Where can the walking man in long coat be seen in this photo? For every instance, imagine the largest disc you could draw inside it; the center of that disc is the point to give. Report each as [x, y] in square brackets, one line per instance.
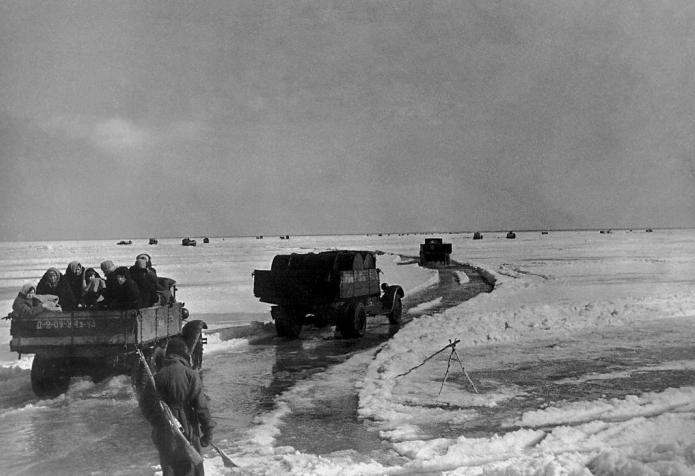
[180, 387]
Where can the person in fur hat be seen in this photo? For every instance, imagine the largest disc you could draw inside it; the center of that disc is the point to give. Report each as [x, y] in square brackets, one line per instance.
[180, 387]
[145, 277]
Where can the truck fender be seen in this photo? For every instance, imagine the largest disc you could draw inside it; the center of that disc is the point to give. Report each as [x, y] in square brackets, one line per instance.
[389, 297]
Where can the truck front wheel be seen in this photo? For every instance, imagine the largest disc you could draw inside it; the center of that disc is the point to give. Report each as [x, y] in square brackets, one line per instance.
[49, 376]
[353, 322]
[287, 323]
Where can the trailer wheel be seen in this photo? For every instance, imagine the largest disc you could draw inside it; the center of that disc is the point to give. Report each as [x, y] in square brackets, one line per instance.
[353, 322]
[396, 314]
[321, 320]
[287, 323]
[49, 376]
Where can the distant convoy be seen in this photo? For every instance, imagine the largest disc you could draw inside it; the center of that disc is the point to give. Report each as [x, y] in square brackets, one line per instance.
[476, 236]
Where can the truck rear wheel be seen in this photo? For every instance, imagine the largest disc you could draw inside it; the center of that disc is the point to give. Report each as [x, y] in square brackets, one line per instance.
[353, 322]
[49, 376]
[287, 323]
[396, 314]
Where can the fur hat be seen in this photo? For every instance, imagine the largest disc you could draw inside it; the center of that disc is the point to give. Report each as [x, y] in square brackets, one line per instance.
[148, 260]
[192, 328]
[177, 347]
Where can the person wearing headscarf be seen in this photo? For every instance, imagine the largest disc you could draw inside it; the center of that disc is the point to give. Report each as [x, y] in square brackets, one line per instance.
[180, 387]
[54, 283]
[74, 275]
[26, 304]
[145, 277]
[122, 292]
[94, 288]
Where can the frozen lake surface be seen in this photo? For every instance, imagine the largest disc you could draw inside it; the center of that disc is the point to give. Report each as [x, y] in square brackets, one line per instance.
[582, 355]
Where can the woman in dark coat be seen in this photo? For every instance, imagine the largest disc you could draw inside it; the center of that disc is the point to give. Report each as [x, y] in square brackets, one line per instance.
[122, 292]
[55, 283]
[145, 277]
[74, 275]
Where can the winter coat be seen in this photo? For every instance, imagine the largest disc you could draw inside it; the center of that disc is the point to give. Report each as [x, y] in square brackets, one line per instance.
[24, 305]
[66, 299]
[181, 388]
[121, 296]
[94, 287]
[146, 280]
[75, 280]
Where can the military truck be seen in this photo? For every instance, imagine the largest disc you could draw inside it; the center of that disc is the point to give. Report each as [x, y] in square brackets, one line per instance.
[337, 287]
[434, 251]
[96, 343]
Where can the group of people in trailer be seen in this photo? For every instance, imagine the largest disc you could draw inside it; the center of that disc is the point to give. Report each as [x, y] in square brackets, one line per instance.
[175, 382]
[120, 288]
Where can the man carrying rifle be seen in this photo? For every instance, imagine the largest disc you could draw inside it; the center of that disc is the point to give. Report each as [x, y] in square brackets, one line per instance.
[180, 387]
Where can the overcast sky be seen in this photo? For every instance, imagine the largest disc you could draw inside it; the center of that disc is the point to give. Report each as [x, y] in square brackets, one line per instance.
[168, 119]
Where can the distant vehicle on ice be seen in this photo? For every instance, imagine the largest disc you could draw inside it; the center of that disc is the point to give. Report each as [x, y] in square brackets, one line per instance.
[477, 235]
[434, 251]
[338, 288]
[153, 241]
[511, 235]
[188, 242]
[124, 242]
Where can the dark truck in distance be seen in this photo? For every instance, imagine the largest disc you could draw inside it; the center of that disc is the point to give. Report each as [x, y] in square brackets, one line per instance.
[335, 287]
[96, 343]
[434, 251]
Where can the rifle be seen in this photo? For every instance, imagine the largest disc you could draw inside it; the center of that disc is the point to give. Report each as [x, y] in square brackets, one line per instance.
[225, 459]
[182, 443]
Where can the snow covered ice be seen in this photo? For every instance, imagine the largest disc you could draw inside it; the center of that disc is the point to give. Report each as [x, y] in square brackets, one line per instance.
[549, 289]
[582, 354]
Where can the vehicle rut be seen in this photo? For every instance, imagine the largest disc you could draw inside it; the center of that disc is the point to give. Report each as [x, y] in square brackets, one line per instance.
[334, 415]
